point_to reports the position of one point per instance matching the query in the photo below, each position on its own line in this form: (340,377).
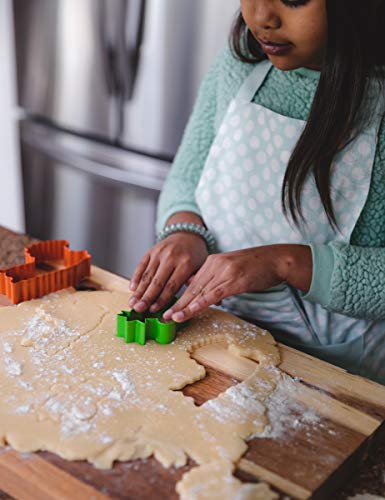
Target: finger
(174,283)
(155,287)
(201,302)
(140,268)
(196,287)
(144,282)
(188,282)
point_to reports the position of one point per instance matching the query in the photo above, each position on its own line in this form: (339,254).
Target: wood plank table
(312,460)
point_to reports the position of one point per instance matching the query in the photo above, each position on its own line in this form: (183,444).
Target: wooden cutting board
(310,460)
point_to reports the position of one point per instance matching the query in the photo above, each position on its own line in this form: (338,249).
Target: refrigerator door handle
(131,36)
(110,17)
(108,52)
(136,176)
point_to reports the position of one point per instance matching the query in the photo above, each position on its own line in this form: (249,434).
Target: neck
(315,67)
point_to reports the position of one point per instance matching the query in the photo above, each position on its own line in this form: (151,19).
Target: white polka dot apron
(239,195)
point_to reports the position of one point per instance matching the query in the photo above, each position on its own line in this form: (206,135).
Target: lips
(275,48)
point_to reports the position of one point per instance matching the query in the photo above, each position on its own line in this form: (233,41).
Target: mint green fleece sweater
(347,278)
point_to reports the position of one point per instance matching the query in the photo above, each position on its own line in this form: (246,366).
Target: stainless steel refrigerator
(105,88)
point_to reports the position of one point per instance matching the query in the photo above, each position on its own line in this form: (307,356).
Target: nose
(265,15)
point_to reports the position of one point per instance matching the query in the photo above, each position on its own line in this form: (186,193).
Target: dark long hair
(355,52)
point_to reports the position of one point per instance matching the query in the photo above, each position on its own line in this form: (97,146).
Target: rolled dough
(70,386)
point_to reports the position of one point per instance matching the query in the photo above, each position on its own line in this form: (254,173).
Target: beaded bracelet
(189,227)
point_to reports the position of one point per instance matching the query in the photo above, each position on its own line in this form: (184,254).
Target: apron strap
(376,95)
(252,83)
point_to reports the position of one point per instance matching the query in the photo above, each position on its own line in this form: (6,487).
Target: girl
(283,165)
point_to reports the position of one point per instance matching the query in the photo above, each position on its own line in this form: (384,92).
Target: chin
(284,63)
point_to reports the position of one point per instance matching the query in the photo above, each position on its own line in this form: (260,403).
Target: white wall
(11,205)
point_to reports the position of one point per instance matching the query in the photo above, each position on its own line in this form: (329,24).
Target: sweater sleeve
(178,193)
(349,280)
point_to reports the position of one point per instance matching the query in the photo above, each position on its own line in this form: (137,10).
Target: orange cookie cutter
(20,283)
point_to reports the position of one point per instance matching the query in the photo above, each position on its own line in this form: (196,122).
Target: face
(292,33)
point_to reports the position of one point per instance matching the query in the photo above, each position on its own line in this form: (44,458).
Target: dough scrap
(215,481)
(70,386)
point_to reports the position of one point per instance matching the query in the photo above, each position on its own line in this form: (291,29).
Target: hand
(164,269)
(232,273)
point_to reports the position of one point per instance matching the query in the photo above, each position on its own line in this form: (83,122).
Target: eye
(295,3)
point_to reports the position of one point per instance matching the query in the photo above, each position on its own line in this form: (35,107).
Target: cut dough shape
(70,386)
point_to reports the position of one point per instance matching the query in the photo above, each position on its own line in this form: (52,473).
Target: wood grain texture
(311,460)
(217,356)
(214,383)
(336,382)
(256,471)
(29,477)
(135,480)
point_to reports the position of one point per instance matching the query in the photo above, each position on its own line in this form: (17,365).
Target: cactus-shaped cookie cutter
(139,327)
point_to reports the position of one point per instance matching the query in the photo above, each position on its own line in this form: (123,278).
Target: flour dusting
(47,341)
(45,332)
(8,347)
(281,407)
(245,397)
(12,367)
(284,412)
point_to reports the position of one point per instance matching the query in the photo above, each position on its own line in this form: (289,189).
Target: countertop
(371,477)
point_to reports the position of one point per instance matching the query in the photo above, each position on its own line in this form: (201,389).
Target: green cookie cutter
(139,327)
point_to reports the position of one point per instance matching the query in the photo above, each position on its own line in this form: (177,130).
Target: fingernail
(168,314)
(154,307)
(133,285)
(140,306)
(132,301)
(178,316)
(194,307)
